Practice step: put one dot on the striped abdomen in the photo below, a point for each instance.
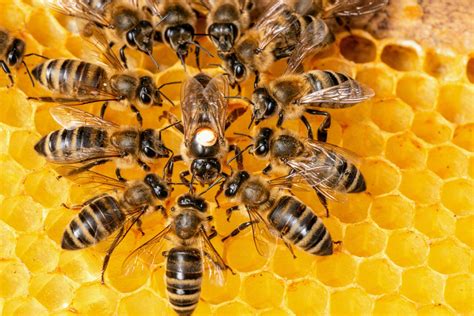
(299, 226)
(70, 77)
(322, 79)
(97, 220)
(73, 145)
(183, 279)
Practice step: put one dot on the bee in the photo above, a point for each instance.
(127, 23)
(280, 214)
(88, 141)
(189, 257)
(330, 170)
(105, 214)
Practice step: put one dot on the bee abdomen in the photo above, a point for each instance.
(323, 79)
(183, 279)
(346, 177)
(298, 225)
(96, 221)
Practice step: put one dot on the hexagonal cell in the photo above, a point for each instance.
(7, 241)
(455, 103)
(353, 210)
(291, 268)
(392, 212)
(80, 266)
(378, 79)
(393, 305)
(434, 221)
(464, 137)
(392, 115)
(243, 244)
(22, 213)
(442, 66)
(54, 291)
(274, 312)
(141, 303)
(234, 308)
(336, 270)
(349, 116)
(407, 248)
(306, 297)
(421, 186)
(449, 257)
(38, 253)
(436, 309)
(380, 176)
(447, 162)
(21, 149)
(470, 70)
(378, 276)
(364, 239)
(406, 151)
(422, 285)
(363, 139)
(24, 306)
(95, 299)
(46, 188)
(356, 302)
(457, 196)
(12, 176)
(431, 127)
(12, 16)
(459, 292)
(14, 277)
(123, 279)
(16, 110)
(464, 230)
(46, 29)
(401, 58)
(262, 290)
(357, 49)
(418, 91)
(215, 293)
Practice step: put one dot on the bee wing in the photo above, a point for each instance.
(347, 92)
(354, 7)
(261, 234)
(213, 263)
(91, 180)
(71, 118)
(215, 93)
(192, 100)
(79, 9)
(147, 254)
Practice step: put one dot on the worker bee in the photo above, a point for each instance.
(330, 170)
(190, 255)
(89, 141)
(118, 210)
(280, 214)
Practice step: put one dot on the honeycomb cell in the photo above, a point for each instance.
(14, 278)
(37, 252)
(141, 303)
(437, 309)
(95, 299)
(262, 290)
(419, 91)
(406, 151)
(448, 257)
(441, 66)
(21, 213)
(470, 70)
(422, 285)
(21, 149)
(401, 58)
(353, 210)
(407, 248)
(56, 222)
(12, 17)
(431, 127)
(46, 188)
(24, 306)
(463, 230)
(392, 115)
(16, 110)
(447, 162)
(455, 103)
(12, 176)
(54, 291)
(378, 276)
(291, 268)
(50, 34)
(363, 139)
(203, 309)
(464, 137)
(378, 79)
(421, 186)
(336, 270)
(434, 221)
(457, 196)
(80, 266)
(307, 297)
(357, 49)
(44, 122)
(350, 301)
(215, 292)
(459, 292)
(393, 305)
(124, 281)
(240, 245)
(234, 308)
(7, 241)
(392, 212)
(364, 239)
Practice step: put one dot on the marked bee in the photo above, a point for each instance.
(190, 255)
(88, 141)
(125, 21)
(118, 210)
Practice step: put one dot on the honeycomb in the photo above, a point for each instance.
(406, 244)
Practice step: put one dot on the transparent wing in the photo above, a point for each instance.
(354, 7)
(192, 102)
(147, 254)
(71, 118)
(215, 94)
(84, 155)
(79, 9)
(261, 234)
(90, 180)
(348, 92)
(213, 264)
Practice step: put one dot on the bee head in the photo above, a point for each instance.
(264, 105)
(194, 202)
(179, 38)
(223, 35)
(205, 170)
(159, 187)
(15, 52)
(234, 183)
(233, 65)
(263, 141)
(151, 145)
(147, 93)
(142, 36)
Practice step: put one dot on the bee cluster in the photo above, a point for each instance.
(249, 37)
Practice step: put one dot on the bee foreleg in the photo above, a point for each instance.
(239, 229)
(182, 177)
(218, 193)
(103, 109)
(325, 124)
(143, 165)
(289, 247)
(123, 58)
(267, 169)
(257, 79)
(281, 119)
(197, 51)
(233, 116)
(109, 252)
(238, 156)
(308, 126)
(169, 167)
(229, 211)
(162, 209)
(139, 226)
(118, 174)
(213, 233)
(8, 72)
(137, 113)
(323, 200)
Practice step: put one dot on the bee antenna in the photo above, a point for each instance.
(164, 95)
(153, 60)
(242, 134)
(213, 184)
(240, 97)
(251, 121)
(195, 43)
(29, 73)
(181, 58)
(216, 66)
(239, 154)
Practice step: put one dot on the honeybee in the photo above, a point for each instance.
(280, 214)
(127, 23)
(190, 255)
(105, 214)
(330, 170)
(88, 141)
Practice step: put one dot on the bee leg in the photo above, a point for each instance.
(197, 51)
(182, 177)
(8, 72)
(239, 229)
(118, 174)
(139, 226)
(281, 119)
(137, 113)
(169, 167)
(323, 201)
(233, 116)
(257, 79)
(121, 234)
(143, 165)
(103, 109)
(238, 156)
(165, 253)
(289, 247)
(326, 123)
(73, 207)
(87, 166)
(267, 169)
(162, 209)
(229, 211)
(218, 193)
(123, 58)
(308, 126)
(213, 233)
